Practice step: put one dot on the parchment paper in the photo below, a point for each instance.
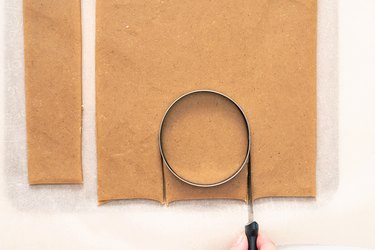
(67, 216)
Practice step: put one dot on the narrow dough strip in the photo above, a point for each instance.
(52, 39)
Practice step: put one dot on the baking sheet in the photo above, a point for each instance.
(67, 216)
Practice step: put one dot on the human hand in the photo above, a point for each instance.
(263, 243)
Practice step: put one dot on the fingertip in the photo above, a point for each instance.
(241, 243)
(263, 243)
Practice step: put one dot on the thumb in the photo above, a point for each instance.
(241, 243)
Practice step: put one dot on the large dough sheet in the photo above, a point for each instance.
(261, 53)
(52, 31)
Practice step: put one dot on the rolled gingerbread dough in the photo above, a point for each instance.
(52, 33)
(261, 53)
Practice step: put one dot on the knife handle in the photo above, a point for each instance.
(251, 231)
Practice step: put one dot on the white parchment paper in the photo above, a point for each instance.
(67, 216)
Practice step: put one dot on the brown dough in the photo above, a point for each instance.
(52, 31)
(261, 53)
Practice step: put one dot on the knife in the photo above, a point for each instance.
(252, 228)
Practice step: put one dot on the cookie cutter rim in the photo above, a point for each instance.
(247, 156)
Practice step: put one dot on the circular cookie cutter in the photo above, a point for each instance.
(246, 123)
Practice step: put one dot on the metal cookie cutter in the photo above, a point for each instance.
(165, 160)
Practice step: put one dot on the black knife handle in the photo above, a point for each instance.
(251, 231)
